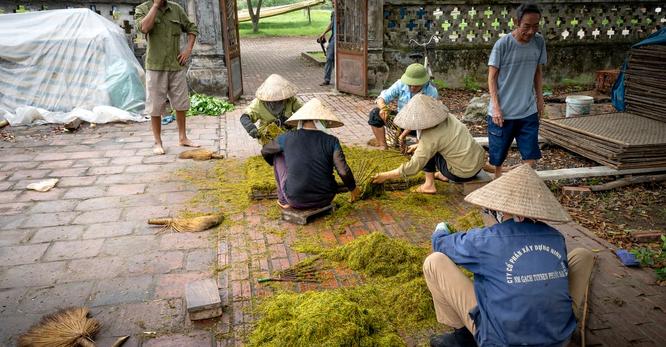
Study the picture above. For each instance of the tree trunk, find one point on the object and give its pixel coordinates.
(254, 15)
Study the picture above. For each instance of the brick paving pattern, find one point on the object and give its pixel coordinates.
(86, 241)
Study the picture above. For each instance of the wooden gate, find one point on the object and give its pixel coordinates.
(232, 54)
(351, 49)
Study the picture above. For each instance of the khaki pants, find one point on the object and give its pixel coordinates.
(161, 85)
(453, 292)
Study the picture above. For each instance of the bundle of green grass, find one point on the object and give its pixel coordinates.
(393, 302)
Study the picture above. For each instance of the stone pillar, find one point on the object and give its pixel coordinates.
(207, 72)
(377, 68)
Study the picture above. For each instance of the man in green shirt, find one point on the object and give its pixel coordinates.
(446, 149)
(162, 22)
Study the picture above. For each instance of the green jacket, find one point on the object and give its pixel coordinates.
(258, 111)
(464, 156)
(164, 38)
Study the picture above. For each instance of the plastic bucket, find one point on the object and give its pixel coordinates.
(578, 105)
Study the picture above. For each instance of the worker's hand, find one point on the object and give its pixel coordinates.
(541, 108)
(254, 133)
(379, 178)
(355, 194)
(383, 114)
(184, 56)
(412, 148)
(498, 117)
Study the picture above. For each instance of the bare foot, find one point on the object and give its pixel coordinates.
(158, 150)
(424, 190)
(284, 206)
(439, 176)
(188, 143)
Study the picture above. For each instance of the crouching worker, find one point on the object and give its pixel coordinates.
(303, 160)
(527, 290)
(446, 150)
(415, 80)
(275, 102)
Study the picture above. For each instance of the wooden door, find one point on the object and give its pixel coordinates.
(232, 54)
(351, 46)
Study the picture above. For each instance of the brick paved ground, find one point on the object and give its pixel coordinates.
(86, 242)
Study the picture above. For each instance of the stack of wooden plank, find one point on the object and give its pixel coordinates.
(645, 82)
(618, 140)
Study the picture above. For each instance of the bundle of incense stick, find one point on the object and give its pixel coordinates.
(392, 133)
(364, 173)
(305, 271)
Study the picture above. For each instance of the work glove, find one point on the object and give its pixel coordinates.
(254, 133)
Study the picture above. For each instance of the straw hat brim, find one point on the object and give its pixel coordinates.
(275, 88)
(315, 110)
(421, 112)
(522, 193)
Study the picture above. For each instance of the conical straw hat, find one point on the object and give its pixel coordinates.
(520, 192)
(421, 112)
(315, 110)
(275, 88)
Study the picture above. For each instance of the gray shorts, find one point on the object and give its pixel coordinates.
(161, 85)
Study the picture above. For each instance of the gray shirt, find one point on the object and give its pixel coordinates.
(517, 64)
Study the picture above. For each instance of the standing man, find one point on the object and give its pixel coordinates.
(330, 51)
(162, 22)
(515, 85)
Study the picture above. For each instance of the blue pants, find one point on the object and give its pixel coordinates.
(330, 61)
(524, 130)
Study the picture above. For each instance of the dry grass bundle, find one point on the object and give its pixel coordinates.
(66, 328)
(193, 224)
(364, 171)
(200, 154)
(392, 133)
(305, 271)
(268, 133)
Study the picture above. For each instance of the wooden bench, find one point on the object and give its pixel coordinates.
(301, 216)
(203, 299)
(480, 180)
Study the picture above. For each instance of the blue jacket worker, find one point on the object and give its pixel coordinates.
(526, 286)
(415, 80)
(516, 89)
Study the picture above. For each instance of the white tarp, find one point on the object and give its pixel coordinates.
(64, 64)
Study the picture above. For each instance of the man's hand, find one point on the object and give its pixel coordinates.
(184, 56)
(498, 117)
(355, 194)
(379, 178)
(158, 3)
(541, 108)
(412, 148)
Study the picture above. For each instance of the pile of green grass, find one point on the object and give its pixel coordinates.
(394, 301)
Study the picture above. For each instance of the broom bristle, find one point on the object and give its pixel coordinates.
(197, 223)
(61, 329)
(199, 154)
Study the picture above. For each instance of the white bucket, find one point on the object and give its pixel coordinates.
(578, 105)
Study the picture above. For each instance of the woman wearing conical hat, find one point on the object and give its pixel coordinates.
(446, 150)
(275, 102)
(527, 289)
(304, 160)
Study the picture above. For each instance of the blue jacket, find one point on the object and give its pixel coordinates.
(520, 281)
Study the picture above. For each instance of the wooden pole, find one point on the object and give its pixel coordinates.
(309, 19)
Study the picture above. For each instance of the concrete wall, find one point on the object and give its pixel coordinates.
(581, 36)
(207, 72)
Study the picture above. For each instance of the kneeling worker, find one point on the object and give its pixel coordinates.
(446, 149)
(275, 102)
(526, 290)
(303, 160)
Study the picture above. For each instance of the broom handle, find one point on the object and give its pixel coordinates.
(160, 221)
(85, 342)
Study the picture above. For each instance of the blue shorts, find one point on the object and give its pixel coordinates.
(524, 130)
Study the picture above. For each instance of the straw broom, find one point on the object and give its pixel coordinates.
(66, 328)
(194, 224)
(200, 154)
(304, 271)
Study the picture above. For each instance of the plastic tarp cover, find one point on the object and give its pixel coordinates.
(59, 65)
(617, 93)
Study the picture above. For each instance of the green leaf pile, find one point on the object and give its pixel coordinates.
(201, 104)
